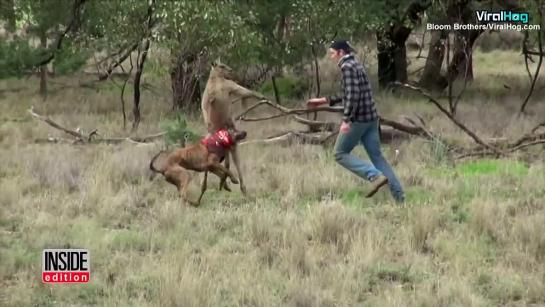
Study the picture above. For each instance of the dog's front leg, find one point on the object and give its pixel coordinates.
(237, 166)
(221, 171)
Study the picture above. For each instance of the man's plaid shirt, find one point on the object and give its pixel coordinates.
(357, 96)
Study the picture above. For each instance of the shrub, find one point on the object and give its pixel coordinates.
(177, 132)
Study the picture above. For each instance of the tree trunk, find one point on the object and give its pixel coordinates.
(461, 65)
(281, 28)
(275, 90)
(317, 76)
(539, 63)
(43, 68)
(431, 77)
(316, 70)
(123, 94)
(392, 58)
(141, 60)
(392, 52)
(186, 92)
(7, 13)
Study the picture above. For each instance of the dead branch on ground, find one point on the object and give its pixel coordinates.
(460, 125)
(292, 137)
(90, 138)
(391, 130)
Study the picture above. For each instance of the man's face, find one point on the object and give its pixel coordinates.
(335, 55)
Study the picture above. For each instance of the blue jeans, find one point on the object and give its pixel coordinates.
(367, 134)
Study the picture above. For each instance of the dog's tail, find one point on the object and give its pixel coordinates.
(155, 166)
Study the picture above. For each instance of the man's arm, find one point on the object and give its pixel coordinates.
(351, 92)
(334, 99)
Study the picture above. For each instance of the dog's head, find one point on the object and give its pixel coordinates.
(237, 135)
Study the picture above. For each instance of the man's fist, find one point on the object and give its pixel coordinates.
(345, 127)
(314, 102)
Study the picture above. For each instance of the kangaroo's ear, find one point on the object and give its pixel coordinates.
(217, 62)
(214, 64)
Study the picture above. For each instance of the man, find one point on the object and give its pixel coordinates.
(359, 123)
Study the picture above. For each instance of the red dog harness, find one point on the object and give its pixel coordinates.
(218, 142)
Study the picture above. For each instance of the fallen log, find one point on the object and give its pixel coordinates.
(450, 116)
(92, 137)
(292, 137)
(392, 130)
(315, 125)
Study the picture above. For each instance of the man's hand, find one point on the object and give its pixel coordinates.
(345, 127)
(315, 102)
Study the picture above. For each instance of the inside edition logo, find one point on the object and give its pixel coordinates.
(65, 266)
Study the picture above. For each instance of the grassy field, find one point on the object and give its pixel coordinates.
(471, 234)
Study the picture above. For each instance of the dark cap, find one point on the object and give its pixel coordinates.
(341, 44)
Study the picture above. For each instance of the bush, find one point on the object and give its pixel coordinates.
(177, 132)
(17, 57)
(70, 59)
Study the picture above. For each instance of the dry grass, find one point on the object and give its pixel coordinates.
(471, 234)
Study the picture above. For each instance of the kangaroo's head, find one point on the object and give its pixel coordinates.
(222, 70)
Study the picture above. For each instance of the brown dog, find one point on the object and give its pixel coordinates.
(205, 156)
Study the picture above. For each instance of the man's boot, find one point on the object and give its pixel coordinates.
(378, 182)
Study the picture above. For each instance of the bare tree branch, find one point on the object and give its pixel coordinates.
(140, 61)
(474, 136)
(540, 61)
(542, 124)
(295, 137)
(331, 126)
(93, 136)
(123, 95)
(315, 125)
(78, 5)
(484, 153)
(285, 111)
(526, 55)
(125, 54)
(527, 138)
(57, 126)
(414, 130)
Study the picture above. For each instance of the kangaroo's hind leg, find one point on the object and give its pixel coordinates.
(203, 187)
(223, 181)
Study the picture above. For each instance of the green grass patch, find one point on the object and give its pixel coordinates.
(458, 213)
(485, 167)
(418, 195)
(393, 273)
(492, 167)
(352, 196)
